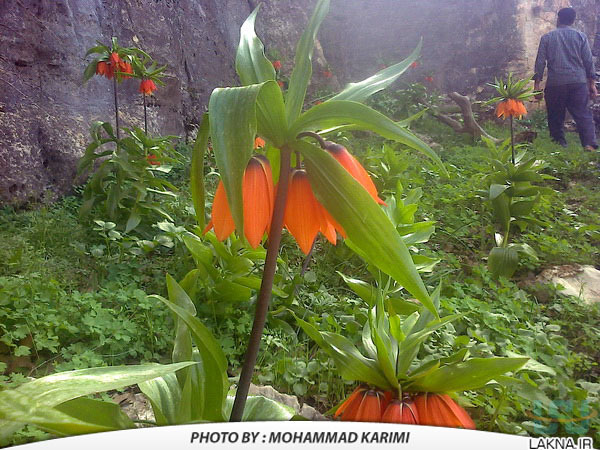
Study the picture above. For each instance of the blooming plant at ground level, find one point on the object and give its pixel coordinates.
(147, 87)
(374, 405)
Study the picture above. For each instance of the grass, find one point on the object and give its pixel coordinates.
(83, 304)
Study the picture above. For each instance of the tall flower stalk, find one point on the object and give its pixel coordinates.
(329, 181)
(512, 93)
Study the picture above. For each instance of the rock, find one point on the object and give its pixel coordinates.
(134, 404)
(269, 392)
(578, 281)
(45, 111)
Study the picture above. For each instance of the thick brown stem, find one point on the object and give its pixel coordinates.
(314, 136)
(116, 107)
(264, 295)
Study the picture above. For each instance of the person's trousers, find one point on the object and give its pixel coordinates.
(574, 98)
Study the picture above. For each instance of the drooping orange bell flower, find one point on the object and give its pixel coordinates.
(354, 168)
(101, 68)
(114, 58)
(259, 142)
(401, 411)
(511, 108)
(147, 87)
(258, 198)
(349, 408)
(125, 68)
(303, 215)
(370, 407)
(277, 65)
(152, 160)
(439, 410)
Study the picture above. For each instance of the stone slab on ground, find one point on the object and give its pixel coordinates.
(576, 280)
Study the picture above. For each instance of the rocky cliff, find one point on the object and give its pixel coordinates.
(45, 110)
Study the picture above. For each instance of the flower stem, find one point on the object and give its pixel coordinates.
(116, 107)
(312, 135)
(264, 295)
(512, 139)
(145, 116)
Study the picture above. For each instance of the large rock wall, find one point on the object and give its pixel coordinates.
(45, 111)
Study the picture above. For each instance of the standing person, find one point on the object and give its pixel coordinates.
(571, 79)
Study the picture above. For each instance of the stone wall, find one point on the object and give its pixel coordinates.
(45, 111)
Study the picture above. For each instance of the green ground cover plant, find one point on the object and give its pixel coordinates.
(90, 293)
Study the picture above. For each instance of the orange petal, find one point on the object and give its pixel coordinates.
(370, 408)
(462, 415)
(221, 214)
(393, 412)
(501, 109)
(409, 413)
(259, 142)
(258, 203)
(356, 396)
(302, 215)
(354, 168)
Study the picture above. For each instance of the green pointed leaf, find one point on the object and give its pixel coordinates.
(359, 92)
(90, 70)
(251, 64)
(342, 112)
(471, 374)
(260, 409)
(52, 390)
(102, 413)
(164, 394)
(303, 63)
(366, 224)
(496, 190)
(364, 290)
(233, 125)
(351, 364)
(233, 129)
(503, 261)
(197, 171)
(182, 345)
(214, 365)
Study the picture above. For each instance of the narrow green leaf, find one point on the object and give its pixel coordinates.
(470, 374)
(251, 64)
(503, 261)
(303, 63)
(164, 394)
(365, 223)
(214, 364)
(90, 70)
(260, 409)
(233, 129)
(342, 112)
(352, 365)
(197, 170)
(364, 290)
(360, 91)
(60, 387)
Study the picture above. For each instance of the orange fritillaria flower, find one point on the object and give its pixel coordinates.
(277, 65)
(303, 216)
(439, 410)
(327, 73)
(101, 68)
(258, 197)
(370, 407)
(259, 142)
(354, 168)
(511, 108)
(125, 68)
(350, 406)
(401, 411)
(414, 64)
(147, 87)
(152, 160)
(220, 217)
(115, 58)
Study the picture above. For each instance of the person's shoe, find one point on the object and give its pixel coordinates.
(590, 148)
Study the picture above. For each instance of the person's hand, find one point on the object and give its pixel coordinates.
(593, 91)
(539, 96)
